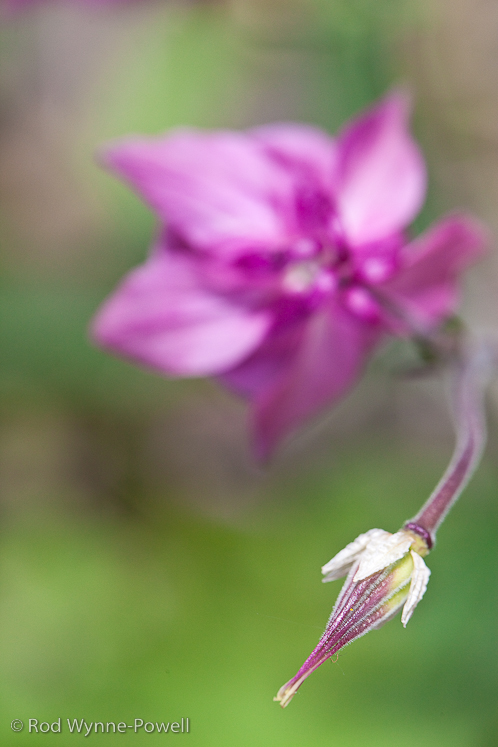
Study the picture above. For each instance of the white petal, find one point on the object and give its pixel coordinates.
(381, 552)
(342, 562)
(420, 579)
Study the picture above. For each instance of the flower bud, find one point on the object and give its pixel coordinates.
(384, 573)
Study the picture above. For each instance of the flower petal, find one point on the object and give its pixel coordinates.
(311, 156)
(161, 317)
(306, 149)
(259, 372)
(381, 178)
(342, 562)
(381, 552)
(217, 189)
(324, 361)
(425, 289)
(420, 579)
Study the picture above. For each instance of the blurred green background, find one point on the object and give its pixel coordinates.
(149, 568)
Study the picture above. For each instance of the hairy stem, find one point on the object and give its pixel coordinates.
(471, 371)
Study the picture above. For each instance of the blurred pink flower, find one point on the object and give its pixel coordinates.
(281, 259)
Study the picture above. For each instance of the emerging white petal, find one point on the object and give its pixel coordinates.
(342, 562)
(381, 551)
(420, 579)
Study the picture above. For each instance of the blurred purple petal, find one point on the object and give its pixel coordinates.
(381, 173)
(268, 363)
(162, 318)
(425, 287)
(217, 190)
(319, 368)
(303, 148)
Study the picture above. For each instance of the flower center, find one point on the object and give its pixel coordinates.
(314, 270)
(307, 276)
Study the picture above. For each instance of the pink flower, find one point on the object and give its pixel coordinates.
(281, 259)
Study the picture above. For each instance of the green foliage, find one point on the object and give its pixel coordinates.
(171, 615)
(116, 603)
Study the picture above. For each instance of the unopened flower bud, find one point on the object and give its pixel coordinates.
(384, 573)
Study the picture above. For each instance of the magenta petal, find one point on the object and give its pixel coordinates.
(425, 288)
(327, 357)
(259, 372)
(381, 173)
(161, 317)
(306, 149)
(218, 190)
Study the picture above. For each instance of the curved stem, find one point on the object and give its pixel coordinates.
(471, 374)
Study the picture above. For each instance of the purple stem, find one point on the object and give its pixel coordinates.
(471, 374)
